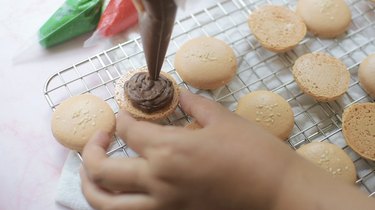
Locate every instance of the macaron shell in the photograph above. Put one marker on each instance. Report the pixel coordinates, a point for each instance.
(206, 63)
(366, 75)
(277, 28)
(321, 76)
(331, 158)
(325, 18)
(359, 129)
(79, 117)
(268, 110)
(124, 102)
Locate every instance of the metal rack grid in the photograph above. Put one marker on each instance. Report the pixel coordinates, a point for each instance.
(257, 69)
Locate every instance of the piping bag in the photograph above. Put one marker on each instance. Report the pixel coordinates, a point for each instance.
(156, 19)
(72, 19)
(118, 20)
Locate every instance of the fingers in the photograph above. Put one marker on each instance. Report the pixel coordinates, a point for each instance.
(101, 199)
(203, 110)
(121, 174)
(115, 174)
(96, 147)
(137, 134)
(141, 135)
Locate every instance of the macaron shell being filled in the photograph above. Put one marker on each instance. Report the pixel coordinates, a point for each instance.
(268, 110)
(325, 18)
(366, 75)
(79, 117)
(330, 158)
(359, 129)
(206, 63)
(321, 76)
(277, 28)
(125, 103)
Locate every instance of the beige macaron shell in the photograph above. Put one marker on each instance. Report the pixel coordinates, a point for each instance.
(79, 117)
(277, 28)
(206, 63)
(331, 158)
(359, 129)
(325, 18)
(321, 76)
(124, 102)
(366, 75)
(268, 110)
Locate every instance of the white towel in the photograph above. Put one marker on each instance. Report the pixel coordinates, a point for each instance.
(69, 192)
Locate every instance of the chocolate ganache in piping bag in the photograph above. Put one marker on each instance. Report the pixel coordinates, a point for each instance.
(151, 92)
(156, 20)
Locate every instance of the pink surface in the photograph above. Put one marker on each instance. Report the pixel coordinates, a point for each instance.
(31, 160)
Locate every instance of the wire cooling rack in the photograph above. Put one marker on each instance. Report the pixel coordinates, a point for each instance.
(258, 69)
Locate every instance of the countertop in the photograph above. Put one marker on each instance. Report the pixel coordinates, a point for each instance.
(31, 160)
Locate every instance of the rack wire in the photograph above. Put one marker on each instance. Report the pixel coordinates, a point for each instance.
(258, 69)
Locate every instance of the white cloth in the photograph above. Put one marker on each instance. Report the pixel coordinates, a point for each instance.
(69, 192)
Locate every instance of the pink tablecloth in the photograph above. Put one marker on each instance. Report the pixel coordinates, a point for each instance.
(30, 159)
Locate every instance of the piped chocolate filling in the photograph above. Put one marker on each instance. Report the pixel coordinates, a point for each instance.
(149, 95)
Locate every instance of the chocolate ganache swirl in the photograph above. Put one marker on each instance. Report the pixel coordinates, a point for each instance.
(149, 95)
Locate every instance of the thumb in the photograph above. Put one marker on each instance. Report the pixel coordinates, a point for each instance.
(205, 111)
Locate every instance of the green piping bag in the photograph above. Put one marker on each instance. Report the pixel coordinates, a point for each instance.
(73, 18)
